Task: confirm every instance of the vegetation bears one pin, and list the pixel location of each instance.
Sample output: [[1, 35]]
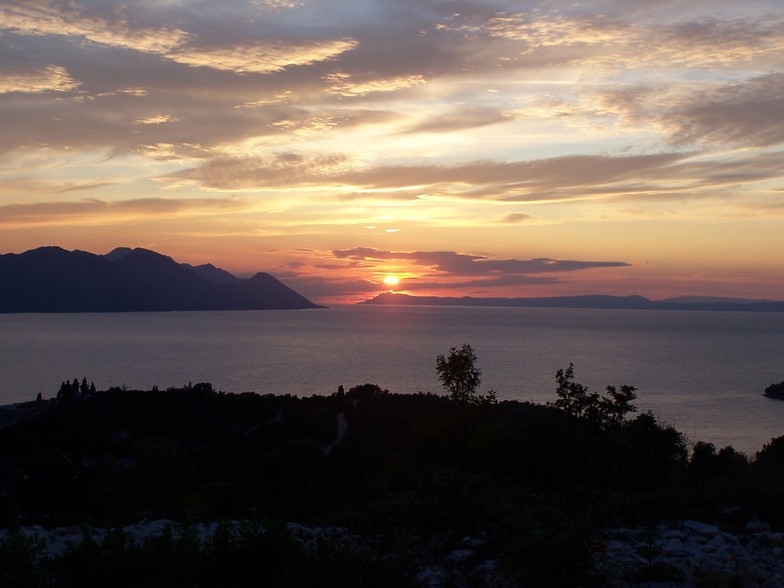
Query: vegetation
[[604, 411], [410, 479], [461, 377]]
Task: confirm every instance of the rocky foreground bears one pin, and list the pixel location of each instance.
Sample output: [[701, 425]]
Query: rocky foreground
[[672, 554], [690, 553]]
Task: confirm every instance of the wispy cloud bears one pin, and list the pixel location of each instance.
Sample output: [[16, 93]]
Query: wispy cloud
[[100, 211], [48, 79], [452, 263], [45, 18], [262, 57], [556, 178], [743, 113]]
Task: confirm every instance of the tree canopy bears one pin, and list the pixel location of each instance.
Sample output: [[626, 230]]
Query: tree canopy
[[460, 376]]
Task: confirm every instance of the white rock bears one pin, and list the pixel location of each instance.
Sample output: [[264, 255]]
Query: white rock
[[460, 554], [674, 545], [431, 576], [57, 548], [729, 538], [473, 541], [754, 527], [775, 538], [34, 531], [702, 528], [715, 543]]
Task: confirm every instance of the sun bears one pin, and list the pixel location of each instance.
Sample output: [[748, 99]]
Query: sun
[[391, 281]]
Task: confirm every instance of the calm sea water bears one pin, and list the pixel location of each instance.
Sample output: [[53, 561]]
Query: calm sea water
[[703, 372]]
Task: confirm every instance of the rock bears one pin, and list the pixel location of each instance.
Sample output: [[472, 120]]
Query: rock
[[716, 542], [701, 528], [431, 576], [755, 527], [460, 554], [775, 539], [473, 541], [674, 545], [700, 552]]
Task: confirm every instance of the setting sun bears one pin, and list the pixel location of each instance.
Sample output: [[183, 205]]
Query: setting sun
[[391, 281]]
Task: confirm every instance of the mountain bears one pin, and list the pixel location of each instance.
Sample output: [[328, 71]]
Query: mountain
[[51, 279], [711, 300], [590, 301], [212, 273]]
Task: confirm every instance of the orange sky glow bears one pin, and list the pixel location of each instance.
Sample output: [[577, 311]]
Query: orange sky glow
[[489, 148]]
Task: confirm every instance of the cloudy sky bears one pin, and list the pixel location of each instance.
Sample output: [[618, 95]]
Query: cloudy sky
[[482, 147]]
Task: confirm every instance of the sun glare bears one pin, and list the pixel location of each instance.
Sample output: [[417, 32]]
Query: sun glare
[[391, 281]]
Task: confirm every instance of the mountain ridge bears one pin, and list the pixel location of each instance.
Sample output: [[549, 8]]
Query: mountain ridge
[[588, 301], [52, 279]]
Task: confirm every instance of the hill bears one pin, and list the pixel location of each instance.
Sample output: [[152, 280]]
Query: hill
[[51, 279], [588, 301]]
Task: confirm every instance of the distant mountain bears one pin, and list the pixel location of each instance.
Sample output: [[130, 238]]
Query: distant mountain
[[711, 300], [591, 301], [51, 279]]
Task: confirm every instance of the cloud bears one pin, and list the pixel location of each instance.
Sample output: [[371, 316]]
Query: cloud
[[262, 57], [465, 264], [275, 171], [583, 39], [750, 113], [553, 30], [459, 119], [555, 178], [431, 270], [744, 113], [320, 287], [42, 18], [485, 284], [90, 211], [52, 78], [157, 119], [345, 85], [516, 217]]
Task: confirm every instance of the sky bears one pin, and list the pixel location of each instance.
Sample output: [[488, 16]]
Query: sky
[[480, 148]]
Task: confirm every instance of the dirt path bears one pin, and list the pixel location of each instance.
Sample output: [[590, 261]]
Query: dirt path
[[342, 428]]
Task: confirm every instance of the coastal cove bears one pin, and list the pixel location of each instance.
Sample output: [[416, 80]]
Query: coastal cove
[[702, 372]]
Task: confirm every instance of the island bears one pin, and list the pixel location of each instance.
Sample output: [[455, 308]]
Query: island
[[775, 391]]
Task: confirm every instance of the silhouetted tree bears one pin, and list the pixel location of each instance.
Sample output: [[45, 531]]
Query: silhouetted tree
[[66, 391], [604, 411], [460, 376]]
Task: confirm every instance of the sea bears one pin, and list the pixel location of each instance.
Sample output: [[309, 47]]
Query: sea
[[701, 372]]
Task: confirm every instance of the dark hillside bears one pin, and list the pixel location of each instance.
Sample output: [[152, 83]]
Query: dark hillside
[[50, 279], [410, 475], [263, 286]]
